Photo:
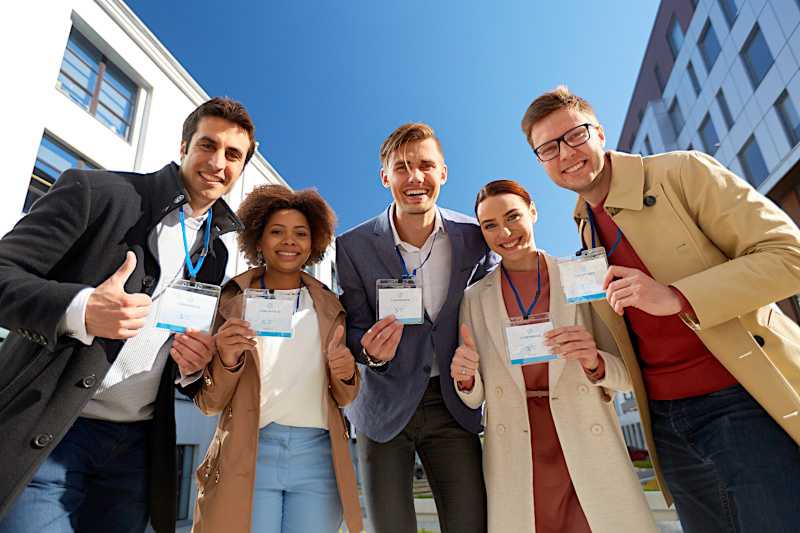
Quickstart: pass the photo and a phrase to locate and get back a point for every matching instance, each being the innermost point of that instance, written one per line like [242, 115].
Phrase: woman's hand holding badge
[232, 339]
[340, 360]
[574, 342]
[465, 361]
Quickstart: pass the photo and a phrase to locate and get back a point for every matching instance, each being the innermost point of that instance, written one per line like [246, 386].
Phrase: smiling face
[576, 169]
[507, 225]
[286, 241]
[213, 160]
[415, 173]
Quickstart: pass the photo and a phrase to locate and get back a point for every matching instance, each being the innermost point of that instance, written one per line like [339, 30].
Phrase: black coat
[76, 236]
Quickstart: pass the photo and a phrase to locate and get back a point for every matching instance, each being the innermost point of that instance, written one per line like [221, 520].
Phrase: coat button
[42, 440]
[596, 429]
[649, 200]
[499, 392]
[759, 340]
[89, 381]
[583, 389]
[148, 281]
[501, 428]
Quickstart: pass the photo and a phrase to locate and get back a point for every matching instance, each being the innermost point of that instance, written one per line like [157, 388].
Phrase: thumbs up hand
[465, 361]
[111, 312]
[340, 360]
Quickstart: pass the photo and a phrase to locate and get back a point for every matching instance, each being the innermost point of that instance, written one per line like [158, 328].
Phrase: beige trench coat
[226, 476]
[731, 252]
[583, 412]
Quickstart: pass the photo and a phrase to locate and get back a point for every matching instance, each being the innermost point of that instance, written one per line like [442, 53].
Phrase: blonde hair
[550, 102]
[407, 133]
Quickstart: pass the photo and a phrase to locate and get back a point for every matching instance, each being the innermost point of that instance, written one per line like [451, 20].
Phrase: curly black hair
[264, 200]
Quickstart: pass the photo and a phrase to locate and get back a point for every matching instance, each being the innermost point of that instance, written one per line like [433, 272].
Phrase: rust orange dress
[556, 506]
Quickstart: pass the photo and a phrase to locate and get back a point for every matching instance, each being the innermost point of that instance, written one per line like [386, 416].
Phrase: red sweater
[675, 363]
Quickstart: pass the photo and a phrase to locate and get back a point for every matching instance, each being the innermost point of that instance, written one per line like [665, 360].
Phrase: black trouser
[452, 460]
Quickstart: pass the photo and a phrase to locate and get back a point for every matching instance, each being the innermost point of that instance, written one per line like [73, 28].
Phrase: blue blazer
[390, 395]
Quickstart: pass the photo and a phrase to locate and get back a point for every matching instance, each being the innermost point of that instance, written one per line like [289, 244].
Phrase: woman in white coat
[555, 460]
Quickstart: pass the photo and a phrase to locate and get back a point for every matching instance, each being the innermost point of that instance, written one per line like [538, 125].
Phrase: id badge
[188, 305]
[582, 276]
[269, 314]
[525, 340]
[401, 298]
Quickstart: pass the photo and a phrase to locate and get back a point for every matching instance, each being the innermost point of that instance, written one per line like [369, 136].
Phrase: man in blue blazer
[403, 405]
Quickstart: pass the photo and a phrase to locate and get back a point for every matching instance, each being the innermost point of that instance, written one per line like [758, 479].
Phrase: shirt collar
[438, 227]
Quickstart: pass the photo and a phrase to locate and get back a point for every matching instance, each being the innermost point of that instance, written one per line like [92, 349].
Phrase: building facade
[87, 85]
[722, 77]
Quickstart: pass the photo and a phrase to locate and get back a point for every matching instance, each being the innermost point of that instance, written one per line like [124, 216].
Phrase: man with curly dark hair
[286, 452]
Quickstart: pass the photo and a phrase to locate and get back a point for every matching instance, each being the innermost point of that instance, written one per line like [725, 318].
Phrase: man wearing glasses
[697, 259]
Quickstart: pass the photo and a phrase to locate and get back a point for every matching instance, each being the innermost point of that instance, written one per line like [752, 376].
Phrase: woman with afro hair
[279, 460]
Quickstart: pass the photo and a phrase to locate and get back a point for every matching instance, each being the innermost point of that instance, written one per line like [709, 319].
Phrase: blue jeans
[95, 480]
[295, 487]
[729, 465]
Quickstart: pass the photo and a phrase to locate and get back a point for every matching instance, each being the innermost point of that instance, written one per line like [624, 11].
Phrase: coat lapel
[384, 244]
[561, 314]
[496, 317]
[455, 286]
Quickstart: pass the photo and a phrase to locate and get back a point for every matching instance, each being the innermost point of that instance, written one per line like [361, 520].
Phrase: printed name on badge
[270, 313]
[188, 305]
[525, 340]
[582, 276]
[401, 298]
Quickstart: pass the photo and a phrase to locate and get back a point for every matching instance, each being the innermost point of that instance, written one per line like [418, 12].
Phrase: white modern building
[88, 85]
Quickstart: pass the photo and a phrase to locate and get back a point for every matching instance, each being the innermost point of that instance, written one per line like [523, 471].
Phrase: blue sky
[327, 81]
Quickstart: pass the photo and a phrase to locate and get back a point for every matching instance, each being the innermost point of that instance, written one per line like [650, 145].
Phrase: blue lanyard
[296, 303]
[194, 269]
[413, 274]
[525, 313]
[592, 225]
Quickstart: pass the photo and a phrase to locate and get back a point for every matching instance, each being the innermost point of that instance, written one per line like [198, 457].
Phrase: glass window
[755, 169]
[730, 10]
[709, 45]
[53, 159]
[789, 117]
[185, 469]
[97, 85]
[675, 36]
[708, 134]
[659, 78]
[726, 111]
[676, 116]
[756, 56]
[693, 78]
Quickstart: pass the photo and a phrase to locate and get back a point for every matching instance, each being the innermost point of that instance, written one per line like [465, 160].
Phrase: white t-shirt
[294, 378]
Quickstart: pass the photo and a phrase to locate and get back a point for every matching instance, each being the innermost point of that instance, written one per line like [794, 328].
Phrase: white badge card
[401, 298]
[582, 276]
[525, 340]
[269, 314]
[187, 305]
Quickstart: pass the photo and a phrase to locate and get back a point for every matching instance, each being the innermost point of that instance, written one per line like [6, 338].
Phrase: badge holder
[582, 276]
[401, 298]
[269, 314]
[188, 305]
[525, 340]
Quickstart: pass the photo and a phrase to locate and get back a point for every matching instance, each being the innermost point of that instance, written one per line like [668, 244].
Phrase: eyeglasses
[572, 138]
